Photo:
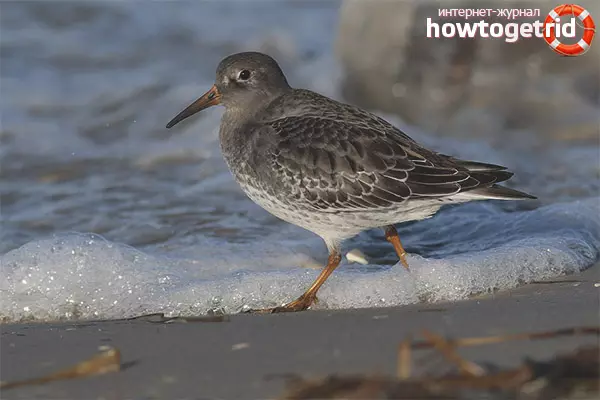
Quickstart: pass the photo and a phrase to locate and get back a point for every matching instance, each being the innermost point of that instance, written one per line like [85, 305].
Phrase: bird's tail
[483, 172]
[499, 192]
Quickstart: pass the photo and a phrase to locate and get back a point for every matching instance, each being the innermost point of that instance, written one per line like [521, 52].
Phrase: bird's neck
[233, 134]
[246, 110]
[239, 120]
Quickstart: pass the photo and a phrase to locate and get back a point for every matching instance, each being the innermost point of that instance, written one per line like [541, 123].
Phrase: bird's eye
[244, 75]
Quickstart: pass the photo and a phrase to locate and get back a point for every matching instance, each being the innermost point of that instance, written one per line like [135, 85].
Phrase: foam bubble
[76, 275]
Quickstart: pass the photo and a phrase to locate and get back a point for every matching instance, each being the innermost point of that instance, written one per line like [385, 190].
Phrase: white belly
[341, 225]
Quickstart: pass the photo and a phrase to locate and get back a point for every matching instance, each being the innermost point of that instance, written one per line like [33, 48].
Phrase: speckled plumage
[337, 170]
[329, 167]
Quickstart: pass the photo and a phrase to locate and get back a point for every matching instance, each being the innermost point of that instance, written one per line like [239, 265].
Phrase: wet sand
[237, 358]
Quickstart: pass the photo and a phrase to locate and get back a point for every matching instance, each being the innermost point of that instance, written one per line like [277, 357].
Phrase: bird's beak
[208, 99]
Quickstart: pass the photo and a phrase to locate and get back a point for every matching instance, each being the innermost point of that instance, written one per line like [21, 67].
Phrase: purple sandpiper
[329, 167]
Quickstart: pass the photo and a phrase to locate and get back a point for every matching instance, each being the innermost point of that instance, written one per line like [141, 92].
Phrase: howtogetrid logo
[589, 29]
[552, 29]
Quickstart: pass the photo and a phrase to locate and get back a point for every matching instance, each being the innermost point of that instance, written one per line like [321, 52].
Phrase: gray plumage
[330, 167]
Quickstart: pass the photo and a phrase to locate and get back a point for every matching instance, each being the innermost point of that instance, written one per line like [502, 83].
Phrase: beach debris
[107, 361]
[382, 316]
[476, 341]
[240, 346]
[355, 255]
[159, 318]
[572, 375]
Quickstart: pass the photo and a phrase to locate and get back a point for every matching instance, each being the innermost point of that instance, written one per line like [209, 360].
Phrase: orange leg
[391, 235]
[308, 298]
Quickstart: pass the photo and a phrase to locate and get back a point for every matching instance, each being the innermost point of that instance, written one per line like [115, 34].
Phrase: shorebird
[329, 167]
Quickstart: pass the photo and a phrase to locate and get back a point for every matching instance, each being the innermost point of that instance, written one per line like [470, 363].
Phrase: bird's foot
[300, 304]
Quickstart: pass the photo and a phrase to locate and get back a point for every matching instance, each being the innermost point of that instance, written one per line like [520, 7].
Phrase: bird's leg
[309, 297]
[391, 235]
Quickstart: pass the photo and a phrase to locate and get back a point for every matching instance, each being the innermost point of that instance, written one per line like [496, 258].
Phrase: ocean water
[106, 214]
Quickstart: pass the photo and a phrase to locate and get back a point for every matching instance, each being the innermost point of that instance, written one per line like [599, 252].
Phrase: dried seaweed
[105, 362]
[573, 375]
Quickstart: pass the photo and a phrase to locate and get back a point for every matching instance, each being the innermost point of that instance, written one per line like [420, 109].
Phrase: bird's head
[244, 82]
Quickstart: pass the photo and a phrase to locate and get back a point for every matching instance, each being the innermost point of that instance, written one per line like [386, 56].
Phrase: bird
[331, 168]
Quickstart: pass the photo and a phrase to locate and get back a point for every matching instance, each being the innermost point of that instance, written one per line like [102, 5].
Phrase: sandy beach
[240, 357]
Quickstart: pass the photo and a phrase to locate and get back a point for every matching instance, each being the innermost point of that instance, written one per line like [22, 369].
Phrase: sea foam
[75, 276]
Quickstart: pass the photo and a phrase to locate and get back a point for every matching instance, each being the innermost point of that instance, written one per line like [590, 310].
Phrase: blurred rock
[467, 87]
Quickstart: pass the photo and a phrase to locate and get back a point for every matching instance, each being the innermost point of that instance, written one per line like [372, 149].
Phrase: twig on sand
[105, 362]
[159, 318]
[477, 341]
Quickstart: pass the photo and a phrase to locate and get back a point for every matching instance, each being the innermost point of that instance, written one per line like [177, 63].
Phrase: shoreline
[240, 356]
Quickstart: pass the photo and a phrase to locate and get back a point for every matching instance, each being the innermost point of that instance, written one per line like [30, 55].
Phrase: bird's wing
[335, 165]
